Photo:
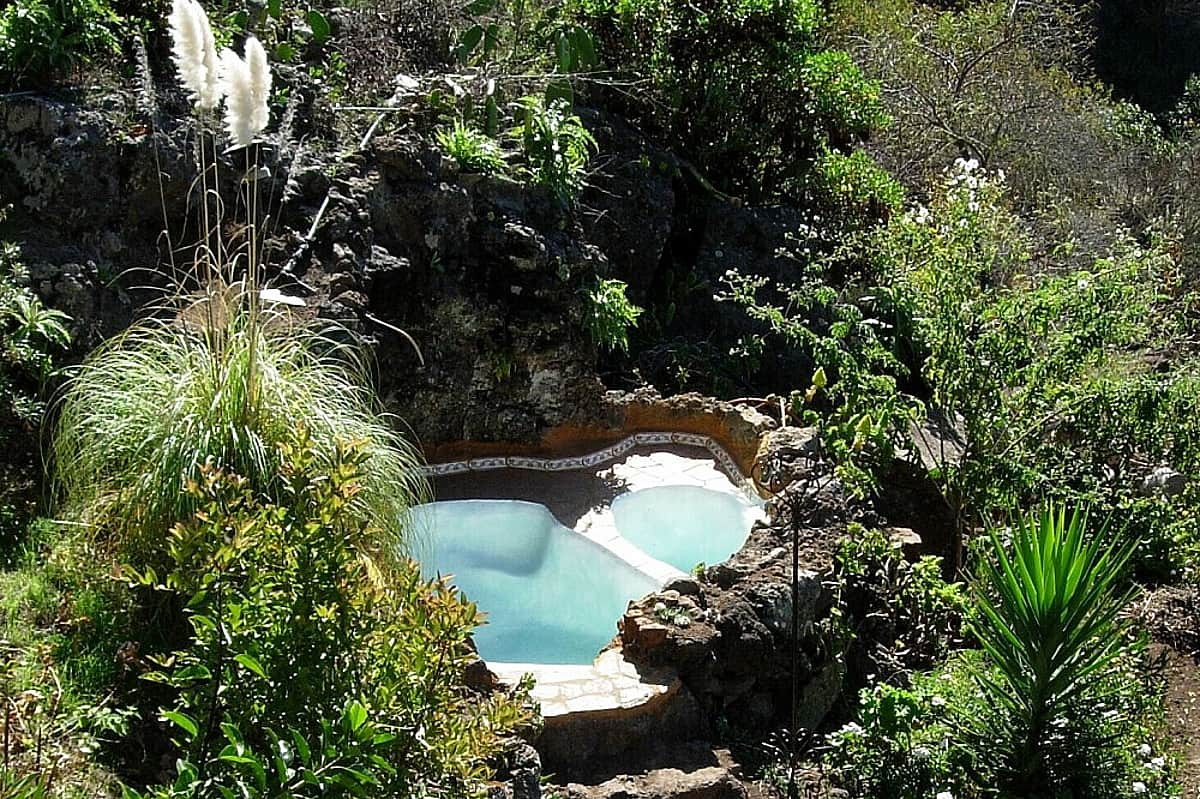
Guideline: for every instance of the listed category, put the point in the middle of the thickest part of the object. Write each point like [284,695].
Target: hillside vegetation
[961,240]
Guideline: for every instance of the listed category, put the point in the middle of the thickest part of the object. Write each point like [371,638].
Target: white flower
[1144,750]
[239,99]
[194,53]
[937,701]
[246,83]
[945,795]
[1157,764]
[1139,787]
[260,81]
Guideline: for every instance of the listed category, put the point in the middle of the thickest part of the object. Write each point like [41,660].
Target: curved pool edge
[640,439]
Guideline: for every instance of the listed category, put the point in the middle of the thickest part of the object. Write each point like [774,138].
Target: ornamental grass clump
[224,375]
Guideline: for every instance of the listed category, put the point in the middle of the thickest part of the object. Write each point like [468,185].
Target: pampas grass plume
[194,53]
[246,84]
[239,98]
[260,82]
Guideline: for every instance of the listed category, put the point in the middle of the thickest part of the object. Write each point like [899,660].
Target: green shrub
[42,39]
[608,315]
[854,187]
[227,383]
[902,744]
[29,335]
[914,614]
[557,146]
[1041,362]
[472,150]
[743,86]
[841,334]
[913,742]
[1050,622]
[309,672]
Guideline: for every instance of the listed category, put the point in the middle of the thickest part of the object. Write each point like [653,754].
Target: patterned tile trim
[613,452]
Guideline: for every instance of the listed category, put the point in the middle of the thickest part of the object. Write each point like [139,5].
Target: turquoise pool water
[684,525]
[551,595]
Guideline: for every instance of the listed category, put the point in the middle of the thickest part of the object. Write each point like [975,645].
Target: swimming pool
[553,595]
[684,525]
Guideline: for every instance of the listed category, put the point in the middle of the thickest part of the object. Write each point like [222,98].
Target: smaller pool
[684,525]
[551,595]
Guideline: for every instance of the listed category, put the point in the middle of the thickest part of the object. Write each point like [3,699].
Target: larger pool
[551,595]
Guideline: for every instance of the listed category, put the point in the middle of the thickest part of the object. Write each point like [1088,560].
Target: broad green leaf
[183,721]
[468,41]
[319,25]
[251,663]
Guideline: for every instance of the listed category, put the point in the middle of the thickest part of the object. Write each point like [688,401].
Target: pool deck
[581,499]
[609,683]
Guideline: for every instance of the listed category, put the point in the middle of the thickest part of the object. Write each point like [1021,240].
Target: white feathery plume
[237,86]
[194,53]
[210,98]
[260,82]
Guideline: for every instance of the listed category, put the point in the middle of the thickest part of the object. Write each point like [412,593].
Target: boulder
[1164,481]
[712,782]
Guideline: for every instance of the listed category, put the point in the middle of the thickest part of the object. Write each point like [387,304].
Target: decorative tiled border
[727,464]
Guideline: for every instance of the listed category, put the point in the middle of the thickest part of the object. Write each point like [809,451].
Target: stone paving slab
[610,683]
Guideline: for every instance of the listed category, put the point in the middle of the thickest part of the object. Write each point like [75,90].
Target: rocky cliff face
[483,273]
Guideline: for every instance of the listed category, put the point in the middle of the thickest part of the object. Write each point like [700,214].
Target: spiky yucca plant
[1050,623]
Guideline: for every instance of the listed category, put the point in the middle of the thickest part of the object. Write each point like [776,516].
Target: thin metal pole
[794,512]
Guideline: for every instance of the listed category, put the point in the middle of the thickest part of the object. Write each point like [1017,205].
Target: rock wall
[728,631]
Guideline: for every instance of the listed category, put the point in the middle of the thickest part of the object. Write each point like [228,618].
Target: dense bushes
[309,672]
[1057,703]
[40,40]
[744,88]
[1035,361]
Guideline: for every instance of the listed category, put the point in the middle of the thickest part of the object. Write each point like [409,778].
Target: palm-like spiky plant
[1049,622]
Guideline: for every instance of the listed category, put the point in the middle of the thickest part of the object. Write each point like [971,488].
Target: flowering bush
[308,673]
[903,744]
[909,743]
